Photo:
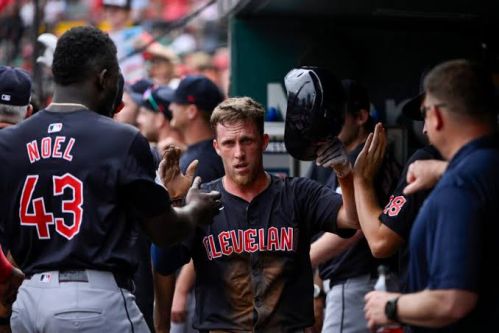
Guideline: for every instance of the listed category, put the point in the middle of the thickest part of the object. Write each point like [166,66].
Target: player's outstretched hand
[371,156]
[172,178]
[204,205]
[332,154]
[423,175]
[8,288]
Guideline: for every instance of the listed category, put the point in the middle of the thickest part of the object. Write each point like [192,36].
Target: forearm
[347,217]
[164,287]
[382,241]
[329,246]
[170,227]
[435,308]
[186,278]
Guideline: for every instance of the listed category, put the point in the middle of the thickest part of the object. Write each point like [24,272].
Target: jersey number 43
[41,219]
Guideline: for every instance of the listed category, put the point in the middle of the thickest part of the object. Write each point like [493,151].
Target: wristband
[391,310]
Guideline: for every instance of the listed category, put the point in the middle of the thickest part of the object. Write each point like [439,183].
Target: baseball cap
[15,86]
[156,50]
[137,89]
[158,100]
[126,4]
[356,95]
[198,90]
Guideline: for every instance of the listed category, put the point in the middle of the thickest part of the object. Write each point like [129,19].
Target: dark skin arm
[177,223]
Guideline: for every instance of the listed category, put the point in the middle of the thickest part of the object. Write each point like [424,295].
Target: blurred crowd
[156,39]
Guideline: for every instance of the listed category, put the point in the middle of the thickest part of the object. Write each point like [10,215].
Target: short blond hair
[238,109]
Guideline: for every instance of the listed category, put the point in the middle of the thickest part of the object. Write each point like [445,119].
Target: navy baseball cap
[200,91]
[356,95]
[137,89]
[15,86]
[158,100]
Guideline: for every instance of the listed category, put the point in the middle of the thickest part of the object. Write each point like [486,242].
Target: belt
[122,281]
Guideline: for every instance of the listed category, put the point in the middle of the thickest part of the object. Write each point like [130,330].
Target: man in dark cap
[15,96]
[192,105]
[347,266]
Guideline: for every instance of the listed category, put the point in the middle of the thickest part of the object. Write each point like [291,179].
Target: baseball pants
[345,305]
[82,301]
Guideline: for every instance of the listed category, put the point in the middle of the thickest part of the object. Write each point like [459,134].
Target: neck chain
[76,105]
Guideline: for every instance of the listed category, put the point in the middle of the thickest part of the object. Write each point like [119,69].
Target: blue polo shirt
[453,244]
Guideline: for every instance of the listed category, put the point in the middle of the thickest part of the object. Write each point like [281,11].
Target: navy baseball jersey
[453,243]
[401,210]
[73,185]
[210,164]
[253,264]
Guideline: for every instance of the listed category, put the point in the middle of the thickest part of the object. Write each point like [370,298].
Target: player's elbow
[454,309]
[381,248]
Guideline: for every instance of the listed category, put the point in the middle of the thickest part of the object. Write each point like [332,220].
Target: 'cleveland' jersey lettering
[249,240]
[50,147]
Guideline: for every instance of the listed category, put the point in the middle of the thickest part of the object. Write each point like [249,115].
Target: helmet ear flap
[315,110]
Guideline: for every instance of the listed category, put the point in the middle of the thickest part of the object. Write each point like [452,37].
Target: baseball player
[74,182]
[192,105]
[253,266]
[452,245]
[387,228]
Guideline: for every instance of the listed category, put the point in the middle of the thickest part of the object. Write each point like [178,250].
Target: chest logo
[55,127]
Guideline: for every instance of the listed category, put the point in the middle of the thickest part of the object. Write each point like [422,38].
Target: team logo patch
[45,277]
[55,127]
[6,97]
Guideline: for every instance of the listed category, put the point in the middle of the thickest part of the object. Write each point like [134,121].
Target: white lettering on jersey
[49,147]
[249,240]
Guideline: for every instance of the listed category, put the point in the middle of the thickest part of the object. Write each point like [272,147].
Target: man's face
[161,70]
[109,93]
[148,123]
[350,130]
[241,146]
[129,113]
[179,116]
[116,16]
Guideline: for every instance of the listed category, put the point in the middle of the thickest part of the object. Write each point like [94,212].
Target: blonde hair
[238,109]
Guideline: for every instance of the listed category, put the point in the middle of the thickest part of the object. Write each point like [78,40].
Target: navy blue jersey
[73,185]
[253,264]
[453,243]
[401,210]
[357,260]
[210,164]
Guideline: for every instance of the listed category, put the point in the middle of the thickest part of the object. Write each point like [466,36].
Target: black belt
[122,281]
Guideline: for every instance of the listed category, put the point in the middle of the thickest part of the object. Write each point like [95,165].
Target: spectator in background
[125,37]
[132,98]
[155,117]
[161,65]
